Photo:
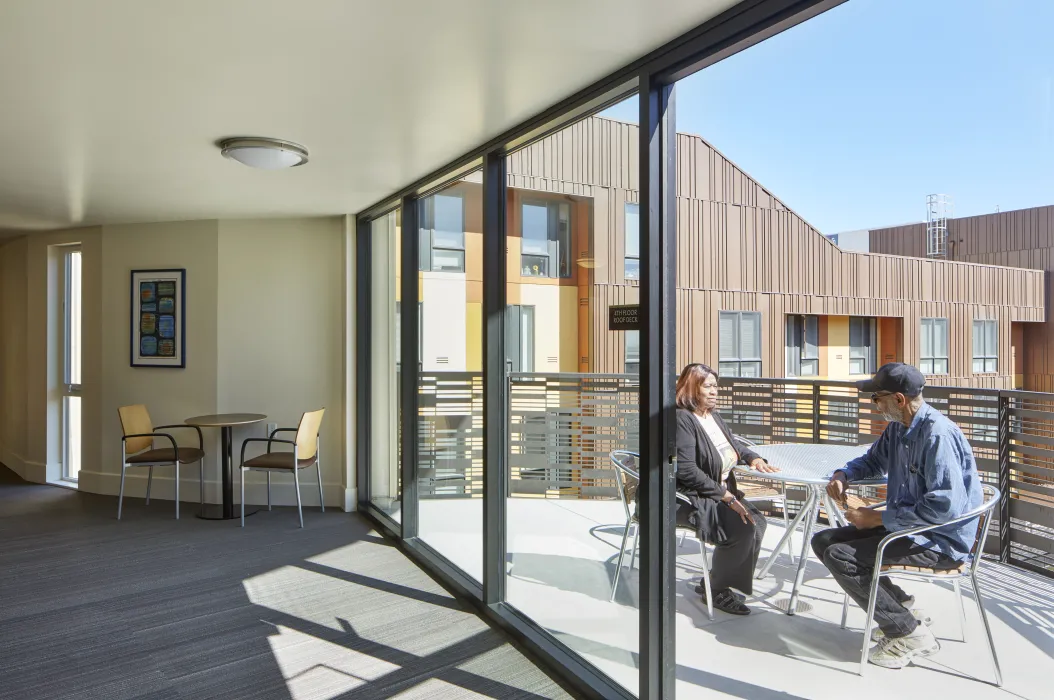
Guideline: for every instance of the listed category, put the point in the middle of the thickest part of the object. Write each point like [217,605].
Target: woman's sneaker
[898,652]
[920,615]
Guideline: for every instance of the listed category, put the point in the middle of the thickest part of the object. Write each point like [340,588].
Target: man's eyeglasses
[875,397]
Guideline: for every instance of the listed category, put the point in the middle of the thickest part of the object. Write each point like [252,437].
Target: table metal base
[214,511]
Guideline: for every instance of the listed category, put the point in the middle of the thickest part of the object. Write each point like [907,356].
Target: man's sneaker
[898,652]
[920,615]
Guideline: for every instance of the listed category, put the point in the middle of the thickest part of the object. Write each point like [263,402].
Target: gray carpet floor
[151,607]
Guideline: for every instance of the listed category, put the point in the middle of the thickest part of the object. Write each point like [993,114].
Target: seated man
[932,479]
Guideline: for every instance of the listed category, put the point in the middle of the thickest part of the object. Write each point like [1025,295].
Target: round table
[226,423]
[810,465]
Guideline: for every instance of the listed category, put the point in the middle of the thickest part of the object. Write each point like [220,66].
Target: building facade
[1021,239]
[760,291]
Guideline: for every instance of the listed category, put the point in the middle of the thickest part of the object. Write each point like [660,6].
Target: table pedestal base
[214,511]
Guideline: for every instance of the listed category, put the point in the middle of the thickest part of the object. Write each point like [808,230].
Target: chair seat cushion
[925,569]
[167,454]
[277,460]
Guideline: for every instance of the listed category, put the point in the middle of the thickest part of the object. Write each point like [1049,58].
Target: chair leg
[987,628]
[120,495]
[680,541]
[706,581]
[299,509]
[242,480]
[177,490]
[636,540]
[268,490]
[845,608]
[149,482]
[201,480]
[962,609]
[621,557]
[870,616]
[321,502]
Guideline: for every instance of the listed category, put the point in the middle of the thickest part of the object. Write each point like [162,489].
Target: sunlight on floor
[317,669]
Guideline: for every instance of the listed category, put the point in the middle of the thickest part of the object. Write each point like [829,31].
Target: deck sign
[624,318]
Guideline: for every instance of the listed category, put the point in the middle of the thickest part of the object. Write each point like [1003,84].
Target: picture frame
[158,320]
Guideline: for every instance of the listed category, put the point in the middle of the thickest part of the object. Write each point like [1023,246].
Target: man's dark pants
[849,554]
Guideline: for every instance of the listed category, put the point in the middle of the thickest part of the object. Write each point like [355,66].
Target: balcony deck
[562,554]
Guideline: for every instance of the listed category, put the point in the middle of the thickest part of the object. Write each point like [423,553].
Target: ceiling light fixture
[264,153]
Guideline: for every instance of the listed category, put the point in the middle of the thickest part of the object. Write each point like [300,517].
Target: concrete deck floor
[561,559]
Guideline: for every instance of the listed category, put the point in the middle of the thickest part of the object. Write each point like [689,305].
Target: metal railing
[563,426]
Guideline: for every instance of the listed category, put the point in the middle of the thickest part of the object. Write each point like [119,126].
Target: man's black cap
[895,377]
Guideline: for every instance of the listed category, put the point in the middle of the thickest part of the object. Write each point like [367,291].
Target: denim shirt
[932,478]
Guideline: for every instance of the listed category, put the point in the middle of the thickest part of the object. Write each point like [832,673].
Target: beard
[892,415]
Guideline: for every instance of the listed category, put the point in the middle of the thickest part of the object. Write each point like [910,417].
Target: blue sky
[852,118]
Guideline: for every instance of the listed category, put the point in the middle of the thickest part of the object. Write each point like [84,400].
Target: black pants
[850,553]
[736,558]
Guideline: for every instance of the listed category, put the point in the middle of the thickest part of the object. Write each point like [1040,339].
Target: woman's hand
[745,515]
[760,465]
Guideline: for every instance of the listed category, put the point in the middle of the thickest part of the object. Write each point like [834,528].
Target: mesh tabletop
[805,464]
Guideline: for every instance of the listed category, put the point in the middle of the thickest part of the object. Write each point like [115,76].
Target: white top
[728,454]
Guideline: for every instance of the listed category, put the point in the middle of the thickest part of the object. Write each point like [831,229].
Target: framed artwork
[159,318]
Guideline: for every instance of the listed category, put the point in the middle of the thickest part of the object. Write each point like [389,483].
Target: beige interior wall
[170,394]
[280,340]
[13,292]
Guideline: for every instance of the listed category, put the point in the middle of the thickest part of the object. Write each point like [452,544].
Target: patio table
[810,465]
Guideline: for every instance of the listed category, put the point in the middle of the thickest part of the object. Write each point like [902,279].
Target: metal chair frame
[969,570]
[296,479]
[616,456]
[125,466]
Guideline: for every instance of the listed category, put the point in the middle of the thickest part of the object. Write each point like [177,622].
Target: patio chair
[966,570]
[305,453]
[137,450]
[627,481]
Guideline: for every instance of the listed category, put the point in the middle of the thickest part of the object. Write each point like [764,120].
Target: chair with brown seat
[305,453]
[138,450]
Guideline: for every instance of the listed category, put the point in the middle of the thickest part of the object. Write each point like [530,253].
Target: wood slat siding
[1023,238]
[741,248]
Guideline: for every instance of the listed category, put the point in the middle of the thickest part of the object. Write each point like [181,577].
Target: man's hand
[836,488]
[761,465]
[864,518]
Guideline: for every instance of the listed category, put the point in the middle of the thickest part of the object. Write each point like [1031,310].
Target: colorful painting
[158,318]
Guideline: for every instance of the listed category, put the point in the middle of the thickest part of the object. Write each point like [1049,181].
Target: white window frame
[986,357]
[801,361]
[864,356]
[631,271]
[932,363]
[734,366]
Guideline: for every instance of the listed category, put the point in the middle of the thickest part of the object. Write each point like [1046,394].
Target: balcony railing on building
[563,427]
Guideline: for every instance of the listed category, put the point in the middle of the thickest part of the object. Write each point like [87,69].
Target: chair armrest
[171,439]
[276,431]
[901,534]
[246,441]
[201,442]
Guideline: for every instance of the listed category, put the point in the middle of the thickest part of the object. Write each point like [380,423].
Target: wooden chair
[305,453]
[138,450]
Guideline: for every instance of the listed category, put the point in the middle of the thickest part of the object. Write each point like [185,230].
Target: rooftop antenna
[938,211]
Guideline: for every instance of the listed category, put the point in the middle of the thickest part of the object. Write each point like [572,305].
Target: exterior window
[934,337]
[833,238]
[803,346]
[632,242]
[862,341]
[443,233]
[632,352]
[519,338]
[546,239]
[739,340]
[985,346]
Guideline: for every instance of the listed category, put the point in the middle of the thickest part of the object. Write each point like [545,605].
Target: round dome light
[264,153]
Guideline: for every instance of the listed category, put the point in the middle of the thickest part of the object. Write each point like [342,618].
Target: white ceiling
[110,109]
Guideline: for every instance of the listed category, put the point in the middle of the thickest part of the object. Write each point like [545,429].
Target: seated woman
[706,453]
